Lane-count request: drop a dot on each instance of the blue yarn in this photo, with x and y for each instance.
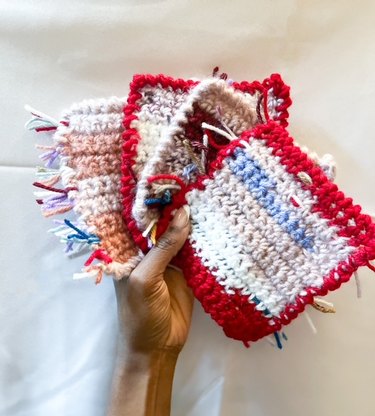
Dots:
(164, 200)
(278, 340)
(262, 187)
(152, 201)
(257, 301)
(69, 246)
(188, 170)
(92, 239)
(80, 232)
(283, 334)
(81, 236)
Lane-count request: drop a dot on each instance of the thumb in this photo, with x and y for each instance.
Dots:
(157, 259)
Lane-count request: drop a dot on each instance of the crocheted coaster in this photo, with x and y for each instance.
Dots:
(81, 181)
(270, 231)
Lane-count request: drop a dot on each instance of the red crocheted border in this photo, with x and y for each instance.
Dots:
(238, 316)
(230, 311)
(132, 138)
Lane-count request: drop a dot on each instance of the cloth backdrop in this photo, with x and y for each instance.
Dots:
(57, 336)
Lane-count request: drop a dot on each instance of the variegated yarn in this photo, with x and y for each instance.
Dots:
(82, 173)
(87, 153)
(271, 232)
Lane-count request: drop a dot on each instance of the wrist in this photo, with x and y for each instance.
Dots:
(137, 362)
(143, 381)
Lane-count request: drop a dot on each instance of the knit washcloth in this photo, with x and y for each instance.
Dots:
(270, 230)
(80, 181)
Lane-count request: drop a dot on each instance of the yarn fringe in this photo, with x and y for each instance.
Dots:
(55, 199)
(39, 121)
(48, 177)
(50, 156)
(75, 236)
(106, 265)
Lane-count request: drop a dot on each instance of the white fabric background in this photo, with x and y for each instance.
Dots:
(57, 335)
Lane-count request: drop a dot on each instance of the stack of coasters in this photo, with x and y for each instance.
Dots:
(270, 231)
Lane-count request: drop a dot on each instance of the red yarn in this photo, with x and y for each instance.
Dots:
(174, 178)
(98, 255)
(212, 141)
(294, 202)
(41, 129)
(52, 189)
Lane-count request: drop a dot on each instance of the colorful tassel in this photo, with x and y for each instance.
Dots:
(98, 255)
(73, 244)
(90, 272)
(53, 200)
(48, 177)
(85, 274)
(50, 156)
(40, 121)
(164, 200)
(96, 270)
(80, 235)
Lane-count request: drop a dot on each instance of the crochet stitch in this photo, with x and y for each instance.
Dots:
(86, 160)
(148, 151)
(87, 151)
(270, 231)
(263, 263)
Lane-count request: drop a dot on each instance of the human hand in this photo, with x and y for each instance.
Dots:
(154, 303)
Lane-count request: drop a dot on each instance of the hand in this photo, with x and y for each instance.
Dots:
(154, 303)
(154, 310)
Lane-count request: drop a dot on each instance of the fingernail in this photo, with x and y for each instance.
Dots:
(181, 218)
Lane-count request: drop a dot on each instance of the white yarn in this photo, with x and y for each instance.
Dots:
(311, 323)
(40, 119)
(209, 93)
(265, 255)
(223, 133)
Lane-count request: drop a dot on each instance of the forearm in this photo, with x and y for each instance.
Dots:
(142, 383)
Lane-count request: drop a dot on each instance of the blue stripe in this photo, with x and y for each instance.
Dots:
(262, 188)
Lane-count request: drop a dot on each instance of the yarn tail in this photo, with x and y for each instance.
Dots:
(56, 195)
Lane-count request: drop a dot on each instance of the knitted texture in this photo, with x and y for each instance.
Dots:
(81, 177)
(150, 121)
(87, 154)
(270, 231)
(254, 258)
